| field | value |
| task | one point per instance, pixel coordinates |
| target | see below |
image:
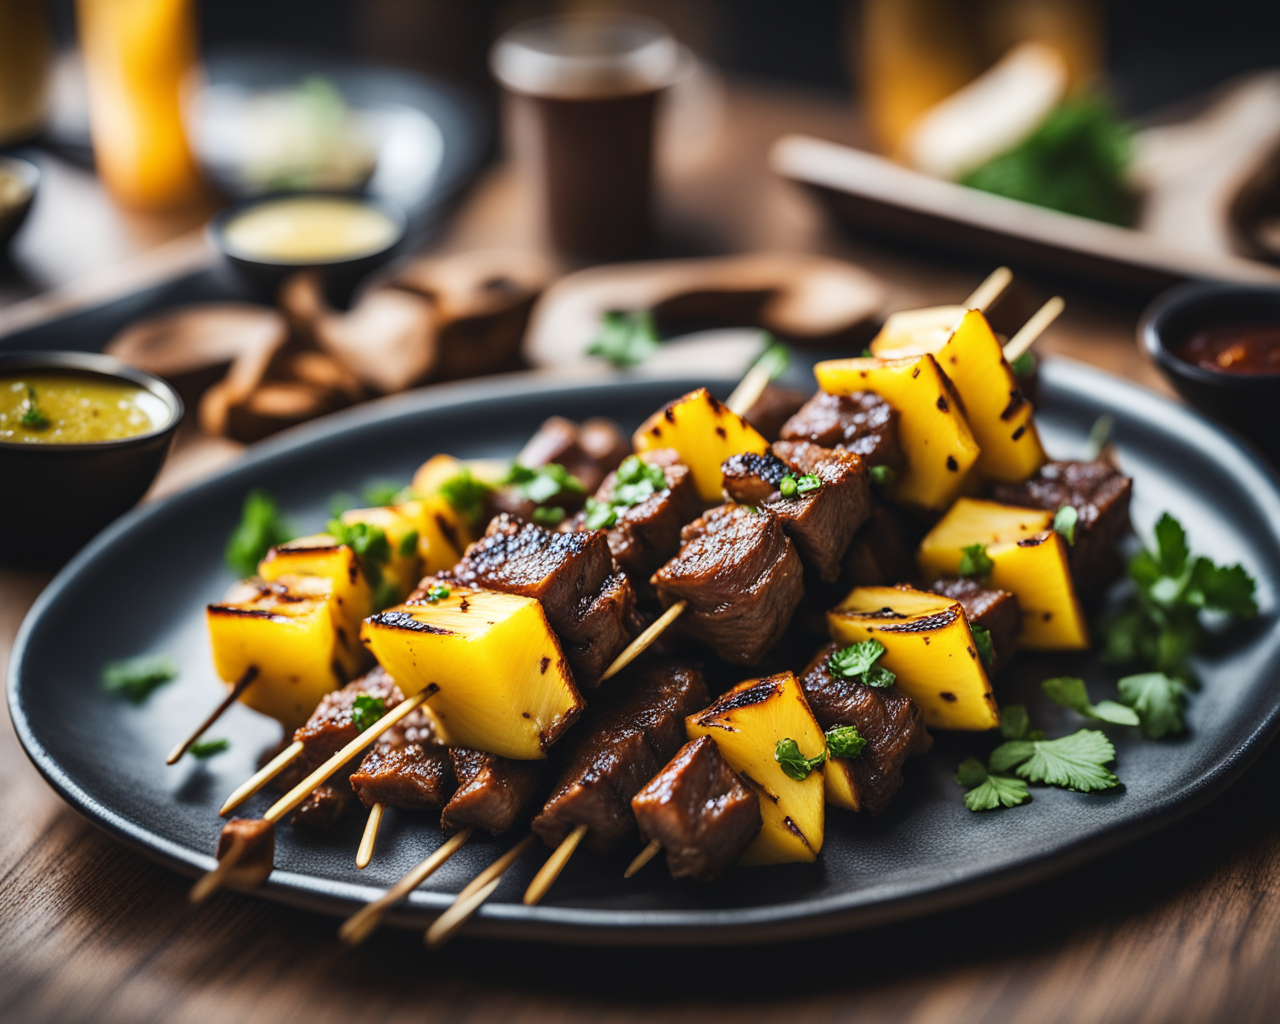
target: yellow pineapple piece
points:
(439, 468)
(443, 532)
(838, 786)
(936, 440)
(286, 631)
(913, 332)
(747, 723)
(503, 683)
(928, 646)
(1028, 559)
(404, 568)
(705, 433)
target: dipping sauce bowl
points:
(1219, 346)
(82, 437)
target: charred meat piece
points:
(257, 837)
(996, 611)
(879, 554)
(890, 722)
(742, 578)
(1100, 495)
(773, 408)
(586, 601)
(752, 479)
(822, 523)
(701, 812)
(407, 768)
(493, 792)
(863, 423)
(630, 732)
(325, 807)
(588, 451)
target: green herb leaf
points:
(1014, 723)
(366, 710)
(548, 515)
(787, 754)
(1064, 523)
(1073, 762)
(261, 528)
(787, 486)
(32, 417)
(974, 561)
(1225, 588)
(1171, 545)
(808, 483)
(625, 339)
(369, 542)
(972, 772)
(845, 741)
(1099, 436)
(408, 544)
(982, 641)
(138, 677)
(387, 492)
(1157, 699)
(1070, 692)
(988, 791)
(437, 593)
(601, 515)
(203, 749)
(542, 484)
(858, 661)
(465, 494)
(1024, 367)
(882, 475)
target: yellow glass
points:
(138, 57)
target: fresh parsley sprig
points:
(858, 661)
(625, 339)
(635, 481)
(845, 741)
(988, 790)
(466, 494)
(1071, 693)
(366, 710)
(136, 678)
(974, 561)
(795, 764)
(204, 749)
(982, 641)
(261, 527)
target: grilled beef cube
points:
(493, 792)
(741, 577)
(752, 479)
(631, 731)
(586, 601)
(862, 423)
(996, 611)
(773, 408)
(701, 812)
(822, 523)
(407, 768)
(324, 808)
(879, 554)
(890, 722)
(1100, 495)
(588, 451)
(258, 837)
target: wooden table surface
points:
(1182, 926)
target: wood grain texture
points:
(1181, 926)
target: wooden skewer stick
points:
(360, 925)
(370, 837)
(550, 871)
(641, 643)
(750, 388)
(643, 858)
(479, 889)
(990, 289)
(321, 775)
(1033, 328)
(210, 883)
(263, 775)
(250, 674)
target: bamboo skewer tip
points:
(262, 776)
(250, 674)
(367, 841)
(990, 289)
(642, 643)
(642, 858)
(550, 871)
(444, 927)
(1033, 328)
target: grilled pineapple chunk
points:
(351, 596)
(286, 631)
(404, 567)
(705, 433)
(504, 684)
(747, 724)
(1028, 559)
(936, 440)
(913, 332)
(443, 532)
(928, 646)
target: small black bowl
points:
(340, 276)
(1249, 403)
(12, 216)
(57, 496)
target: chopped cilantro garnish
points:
(1070, 692)
(1157, 700)
(989, 790)
(1064, 522)
(634, 482)
(882, 475)
(544, 483)
(1024, 366)
(548, 515)
(858, 661)
(787, 753)
(32, 417)
(408, 544)
(137, 677)
(845, 741)
(796, 487)
(974, 561)
(388, 492)
(203, 749)
(437, 592)
(261, 528)
(465, 494)
(625, 339)
(982, 641)
(1073, 762)
(368, 541)
(366, 710)
(601, 515)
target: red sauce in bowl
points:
(1234, 348)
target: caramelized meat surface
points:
(257, 836)
(699, 810)
(822, 523)
(589, 451)
(863, 423)
(630, 732)
(586, 601)
(890, 722)
(879, 554)
(773, 408)
(1100, 495)
(742, 578)
(407, 768)
(324, 808)
(996, 611)
(752, 479)
(493, 792)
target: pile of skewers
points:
(549, 636)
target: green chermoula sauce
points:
(50, 408)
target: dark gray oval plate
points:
(142, 585)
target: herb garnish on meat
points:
(635, 481)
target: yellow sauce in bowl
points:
(54, 408)
(309, 229)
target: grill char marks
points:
(890, 722)
(863, 423)
(742, 578)
(407, 768)
(586, 601)
(699, 810)
(1100, 495)
(493, 792)
(752, 479)
(994, 610)
(631, 731)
